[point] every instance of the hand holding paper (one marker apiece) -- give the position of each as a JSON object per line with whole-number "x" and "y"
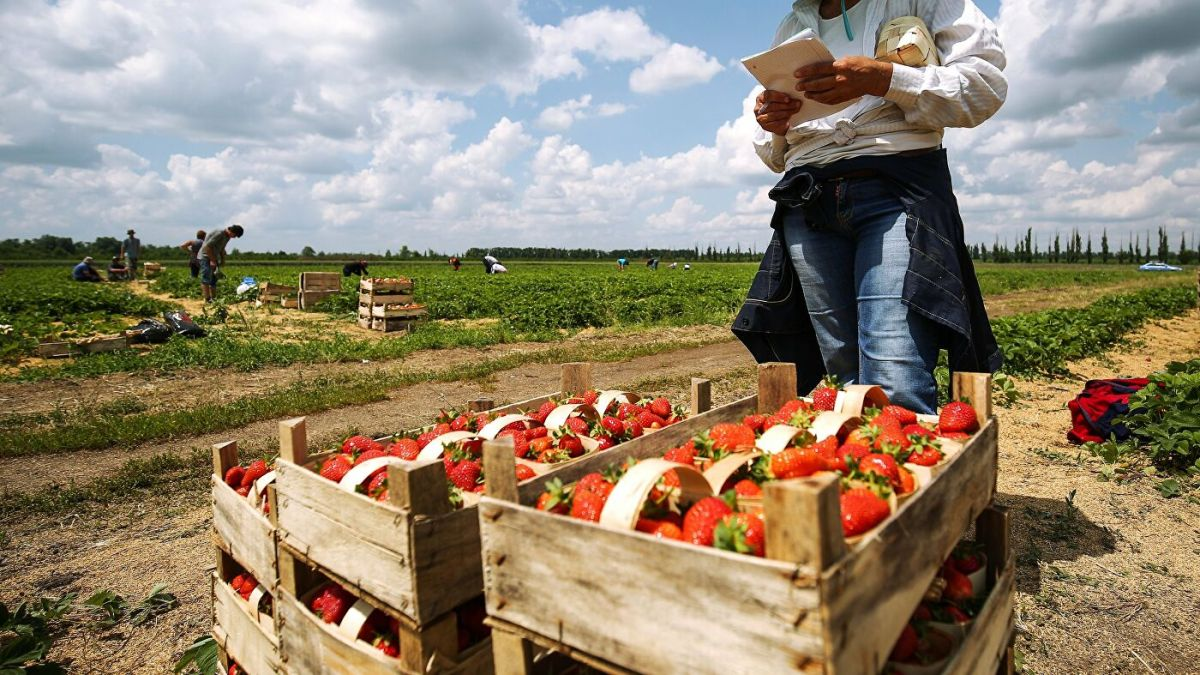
{"x": 776, "y": 68}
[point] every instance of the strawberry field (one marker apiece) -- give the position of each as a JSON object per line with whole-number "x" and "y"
{"x": 112, "y": 453}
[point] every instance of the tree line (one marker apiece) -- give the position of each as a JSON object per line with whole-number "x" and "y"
{"x": 1076, "y": 249}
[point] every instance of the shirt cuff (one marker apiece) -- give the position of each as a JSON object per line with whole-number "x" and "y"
{"x": 905, "y": 86}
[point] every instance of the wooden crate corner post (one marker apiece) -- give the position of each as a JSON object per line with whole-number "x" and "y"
{"x": 225, "y": 457}
{"x": 500, "y": 469}
{"x": 576, "y": 378}
{"x": 293, "y": 440}
{"x": 419, "y": 487}
{"x": 701, "y": 395}
{"x": 776, "y": 385}
{"x": 976, "y": 388}
{"x": 805, "y": 521}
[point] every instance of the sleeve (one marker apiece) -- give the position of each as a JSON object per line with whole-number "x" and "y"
{"x": 969, "y": 86}
{"x": 772, "y": 148}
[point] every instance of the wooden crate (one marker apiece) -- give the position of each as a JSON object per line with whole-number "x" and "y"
{"x": 413, "y": 554}
{"x": 384, "y": 298}
{"x": 95, "y": 345}
{"x": 309, "y": 299}
{"x": 393, "y": 311}
{"x": 309, "y": 645}
{"x": 152, "y": 269}
{"x": 320, "y": 281}
{"x": 269, "y": 292}
{"x": 382, "y": 287}
{"x": 289, "y": 302}
{"x": 813, "y": 604}
{"x": 242, "y": 531}
{"x": 242, "y": 635}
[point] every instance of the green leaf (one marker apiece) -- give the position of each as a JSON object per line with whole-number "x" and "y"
{"x": 1170, "y": 488}
{"x": 201, "y": 656}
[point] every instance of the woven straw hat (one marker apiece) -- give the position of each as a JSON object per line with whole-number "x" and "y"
{"x": 907, "y": 41}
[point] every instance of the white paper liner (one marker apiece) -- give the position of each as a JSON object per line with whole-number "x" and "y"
{"x": 608, "y": 397}
{"x": 497, "y": 425}
{"x": 361, "y": 472}
{"x": 777, "y": 438}
{"x": 438, "y": 445}
{"x": 356, "y": 617}
{"x": 259, "y": 490}
{"x": 624, "y": 504}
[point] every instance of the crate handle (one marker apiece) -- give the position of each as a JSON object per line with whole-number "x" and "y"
{"x": 624, "y": 504}
{"x": 497, "y": 425}
{"x": 610, "y": 396}
{"x": 854, "y": 398}
{"x": 723, "y": 470}
{"x": 438, "y": 445}
{"x": 833, "y": 424}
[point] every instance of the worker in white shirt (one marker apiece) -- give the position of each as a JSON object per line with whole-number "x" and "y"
{"x": 865, "y": 212}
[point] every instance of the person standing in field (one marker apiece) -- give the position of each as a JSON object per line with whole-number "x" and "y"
{"x": 212, "y": 256}
{"x": 131, "y": 249}
{"x": 865, "y": 219}
{"x": 192, "y": 246}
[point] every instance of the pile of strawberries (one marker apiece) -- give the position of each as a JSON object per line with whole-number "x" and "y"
{"x": 244, "y": 585}
{"x": 870, "y": 460}
{"x": 241, "y": 479}
{"x": 532, "y": 441}
{"x": 331, "y": 602}
{"x": 950, "y": 606}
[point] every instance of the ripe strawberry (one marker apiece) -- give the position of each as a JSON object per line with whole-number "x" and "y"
{"x": 243, "y": 490}
{"x": 862, "y": 509}
{"x": 649, "y": 420}
{"x": 460, "y": 423}
{"x": 425, "y": 438}
{"x": 958, "y": 417}
{"x": 256, "y": 470}
{"x": 633, "y": 429}
{"x": 233, "y": 477}
{"x": 903, "y": 415}
{"x": 590, "y": 397}
{"x": 773, "y": 420}
{"x": 661, "y": 407}
{"x": 612, "y": 425}
{"x": 796, "y": 462}
{"x": 404, "y": 448}
{"x": 234, "y": 669}
{"x": 570, "y": 445}
{"x": 377, "y": 485}
{"x": 892, "y": 441}
{"x": 605, "y": 442}
{"x": 370, "y": 454}
{"x": 357, "y": 444}
{"x": 684, "y": 454}
{"x": 729, "y": 437}
{"x": 480, "y": 420}
{"x": 536, "y": 432}
{"x": 922, "y": 613}
{"x": 702, "y": 518}
{"x": 524, "y": 472}
{"x": 887, "y": 423}
{"x": 556, "y": 498}
{"x": 884, "y": 465}
{"x": 578, "y": 425}
{"x": 663, "y": 529}
{"x": 747, "y": 488}
{"x": 543, "y": 412}
{"x": 539, "y": 445}
{"x": 967, "y": 562}
{"x": 465, "y": 474}
{"x": 955, "y": 614}
{"x": 755, "y": 421}
{"x": 335, "y": 468}
{"x": 740, "y": 533}
{"x": 908, "y": 482}
{"x": 917, "y": 430}
{"x": 924, "y": 453}
{"x": 955, "y": 435}
{"x": 594, "y": 482}
{"x": 331, "y": 603}
{"x": 958, "y": 585}
{"x": 627, "y": 410}
{"x": 587, "y": 505}
{"x": 520, "y": 443}
{"x": 824, "y": 398}
{"x": 906, "y": 645}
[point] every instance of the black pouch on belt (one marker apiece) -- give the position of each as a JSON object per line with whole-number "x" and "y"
{"x": 797, "y": 189}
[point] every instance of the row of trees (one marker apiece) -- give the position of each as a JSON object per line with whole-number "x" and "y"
{"x": 1078, "y": 250}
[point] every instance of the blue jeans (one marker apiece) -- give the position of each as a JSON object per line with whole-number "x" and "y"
{"x": 851, "y": 259}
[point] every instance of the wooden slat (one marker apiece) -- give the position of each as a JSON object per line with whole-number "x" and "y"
{"x": 776, "y": 385}
{"x": 244, "y": 639}
{"x": 640, "y": 602}
{"x": 576, "y": 378}
{"x": 385, "y": 298}
{"x": 293, "y": 440}
{"x": 499, "y": 470}
{"x": 446, "y": 563}
{"x": 512, "y": 653}
{"x": 419, "y": 487}
{"x": 320, "y": 281}
{"x": 225, "y": 457}
{"x": 245, "y": 532}
{"x": 53, "y": 350}
{"x": 985, "y": 646}
{"x": 976, "y": 388}
{"x": 864, "y": 601}
{"x": 310, "y": 645}
{"x": 805, "y": 521}
{"x": 701, "y": 395}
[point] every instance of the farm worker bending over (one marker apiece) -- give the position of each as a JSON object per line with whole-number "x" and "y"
{"x": 193, "y": 246}
{"x": 489, "y": 262}
{"x": 499, "y": 268}
{"x": 131, "y": 248}
{"x": 865, "y": 220}
{"x": 212, "y": 256}
{"x": 85, "y": 272}
{"x": 359, "y": 268}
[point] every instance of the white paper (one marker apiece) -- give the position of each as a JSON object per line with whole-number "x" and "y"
{"x": 775, "y": 69}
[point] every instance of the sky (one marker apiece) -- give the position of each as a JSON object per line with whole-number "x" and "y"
{"x": 365, "y": 125}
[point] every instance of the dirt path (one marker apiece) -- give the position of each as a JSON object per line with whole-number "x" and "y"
{"x": 405, "y": 408}
{"x": 1104, "y": 584}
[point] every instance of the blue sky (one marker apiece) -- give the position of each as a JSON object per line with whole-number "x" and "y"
{"x": 364, "y": 124}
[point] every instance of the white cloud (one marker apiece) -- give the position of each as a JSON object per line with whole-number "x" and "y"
{"x": 564, "y": 115}
{"x": 677, "y": 67}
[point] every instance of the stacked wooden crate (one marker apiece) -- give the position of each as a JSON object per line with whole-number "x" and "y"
{"x": 318, "y": 286}
{"x": 92, "y": 345}
{"x": 387, "y": 305}
{"x": 152, "y": 269}
{"x": 622, "y": 601}
{"x": 246, "y": 632}
{"x": 277, "y": 294}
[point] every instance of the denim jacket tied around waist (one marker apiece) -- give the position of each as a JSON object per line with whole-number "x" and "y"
{"x": 940, "y": 282}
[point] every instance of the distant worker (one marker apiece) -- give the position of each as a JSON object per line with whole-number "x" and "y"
{"x": 117, "y": 271}
{"x": 131, "y": 249}
{"x": 489, "y": 261}
{"x": 85, "y": 272}
{"x": 358, "y": 268}
{"x": 212, "y": 256}
{"x": 622, "y": 263}
{"x": 455, "y": 262}
{"x": 652, "y": 264}
{"x": 687, "y": 267}
{"x": 192, "y": 246}
{"x": 498, "y": 268}
{"x": 672, "y": 265}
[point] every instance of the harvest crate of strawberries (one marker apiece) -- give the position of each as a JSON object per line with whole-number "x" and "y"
{"x": 395, "y": 519}
{"x": 790, "y": 534}
{"x": 243, "y": 616}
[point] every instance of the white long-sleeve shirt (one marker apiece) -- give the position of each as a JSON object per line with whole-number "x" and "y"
{"x": 968, "y": 88}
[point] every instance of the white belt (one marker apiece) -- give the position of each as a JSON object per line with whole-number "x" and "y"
{"x": 844, "y": 131}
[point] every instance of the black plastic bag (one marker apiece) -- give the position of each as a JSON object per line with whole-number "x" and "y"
{"x": 182, "y": 324}
{"x": 149, "y": 331}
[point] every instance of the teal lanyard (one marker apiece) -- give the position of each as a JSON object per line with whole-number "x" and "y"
{"x": 846, "y": 22}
